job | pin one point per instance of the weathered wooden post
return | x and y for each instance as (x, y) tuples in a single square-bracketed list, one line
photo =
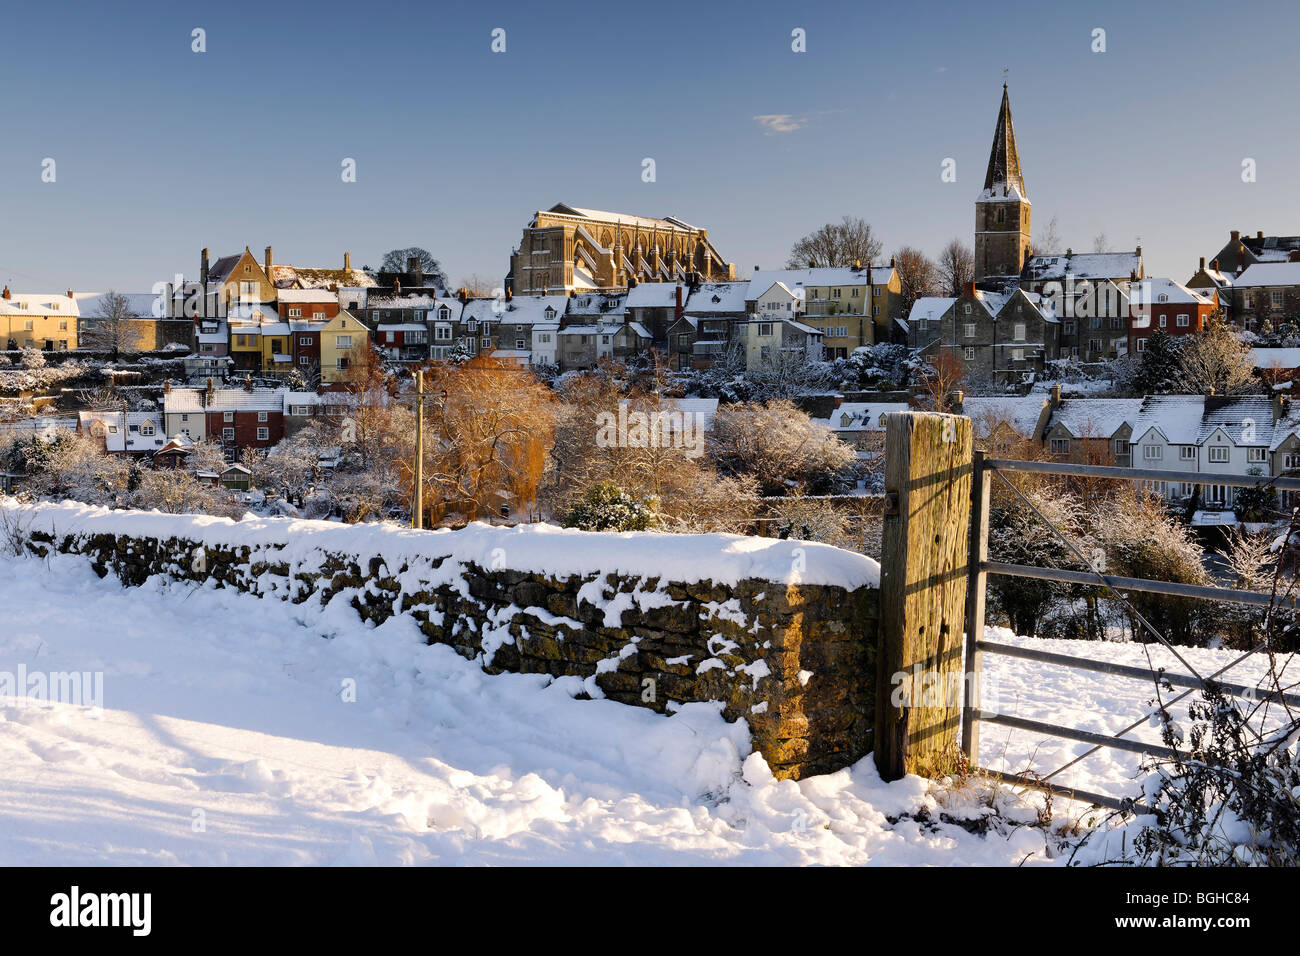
[(924, 555), (976, 586)]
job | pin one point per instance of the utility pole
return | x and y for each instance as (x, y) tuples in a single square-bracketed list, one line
[(417, 515)]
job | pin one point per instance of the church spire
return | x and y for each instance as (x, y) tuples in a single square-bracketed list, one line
[(1004, 161)]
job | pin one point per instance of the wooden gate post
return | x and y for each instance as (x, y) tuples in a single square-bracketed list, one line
[(919, 685)]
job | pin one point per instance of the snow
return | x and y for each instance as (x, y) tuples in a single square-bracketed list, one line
[(1095, 417), (225, 736), (1269, 274), (1279, 358), (543, 548), (225, 729)]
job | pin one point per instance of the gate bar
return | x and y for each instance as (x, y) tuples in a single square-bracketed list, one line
[(1128, 670), (1132, 584), (1082, 736), (1141, 474), (1070, 793)]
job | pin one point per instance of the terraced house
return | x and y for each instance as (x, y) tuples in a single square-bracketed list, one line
[(851, 306), (38, 320)]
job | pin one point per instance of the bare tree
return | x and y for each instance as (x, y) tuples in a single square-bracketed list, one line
[(113, 327), (1100, 243), (1215, 361), (1048, 242), (477, 285), (917, 274), (956, 267), (836, 244), (395, 260)]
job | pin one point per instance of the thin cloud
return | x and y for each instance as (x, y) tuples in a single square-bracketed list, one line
[(780, 122)]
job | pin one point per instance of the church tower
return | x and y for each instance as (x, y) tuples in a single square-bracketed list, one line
[(1002, 209)]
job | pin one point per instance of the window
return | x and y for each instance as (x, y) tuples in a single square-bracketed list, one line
[(1017, 355), (343, 341), (519, 343), (304, 340), (875, 310), (1183, 321), (968, 354), (1164, 321), (1019, 334), (227, 416), (966, 308), (444, 313), (835, 293), (342, 362), (1291, 461), (969, 330), (261, 416), (1219, 453), (1141, 345), (304, 360), (1060, 446), (765, 329), (1153, 452), (876, 291), (63, 326), (1256, 455), (227, 434), (471, 326), (146, 428), (295, 313), (1187, 453), (1276, 298), (487, 342), (442, 333), (1069, 328), (263, 434), (1119, 447)]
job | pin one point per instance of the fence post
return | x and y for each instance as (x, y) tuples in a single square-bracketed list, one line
[(976, 582), (923, 565)]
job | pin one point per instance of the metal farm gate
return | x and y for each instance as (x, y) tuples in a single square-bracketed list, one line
[(979, 567)]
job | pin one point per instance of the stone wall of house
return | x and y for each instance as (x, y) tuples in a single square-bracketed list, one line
[(797, 661)]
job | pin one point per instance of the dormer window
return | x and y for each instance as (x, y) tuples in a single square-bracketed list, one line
[(146, 428)]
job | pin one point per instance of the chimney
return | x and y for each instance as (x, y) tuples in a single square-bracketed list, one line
[(510, 294), (397, 286), (812, 263), (755, 268), (1055, 396), (210, 394), (1138, 252), (1236, 235), (1202, 264), (969, 288), (69, 294), (677, 307), (1069, 251), (347, 262), (463, 294), (1260, 234), (203, 271), (1215, 265), (891, 262), (167, 387), (6, 293), (248, 382), (956, 400), (857, 265)]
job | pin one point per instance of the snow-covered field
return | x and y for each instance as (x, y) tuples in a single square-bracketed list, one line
[(226, 736)]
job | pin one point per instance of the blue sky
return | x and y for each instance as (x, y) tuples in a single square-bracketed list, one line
[(161, 151)]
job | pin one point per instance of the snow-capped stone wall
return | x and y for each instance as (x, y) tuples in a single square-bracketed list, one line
[(783, 633)]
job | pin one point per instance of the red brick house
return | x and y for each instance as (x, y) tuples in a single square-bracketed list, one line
[(1168, 306), (235, 418)]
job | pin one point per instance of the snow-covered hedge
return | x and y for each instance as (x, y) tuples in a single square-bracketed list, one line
[(782, 632)]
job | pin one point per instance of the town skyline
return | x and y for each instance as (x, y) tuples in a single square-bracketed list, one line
[(773, 148)]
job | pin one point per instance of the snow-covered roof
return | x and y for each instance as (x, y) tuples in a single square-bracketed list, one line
[(414, 301), (38, 303), (1176, 417), (402, 327), (1149, 291), (1095, 417), (1265, 358), (1268, 274), (1020, 412), (529, 309), (1090, 265), (763, 280), (225, 400), (640, 330), (108, 425), (598, 303), (310, 296), (718, 297), (643, 222), (654, 295), (861, 416), (704, 409), (930, 308), (143, 305)]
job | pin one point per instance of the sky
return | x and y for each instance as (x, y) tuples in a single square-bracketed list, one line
[(159, 151)]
